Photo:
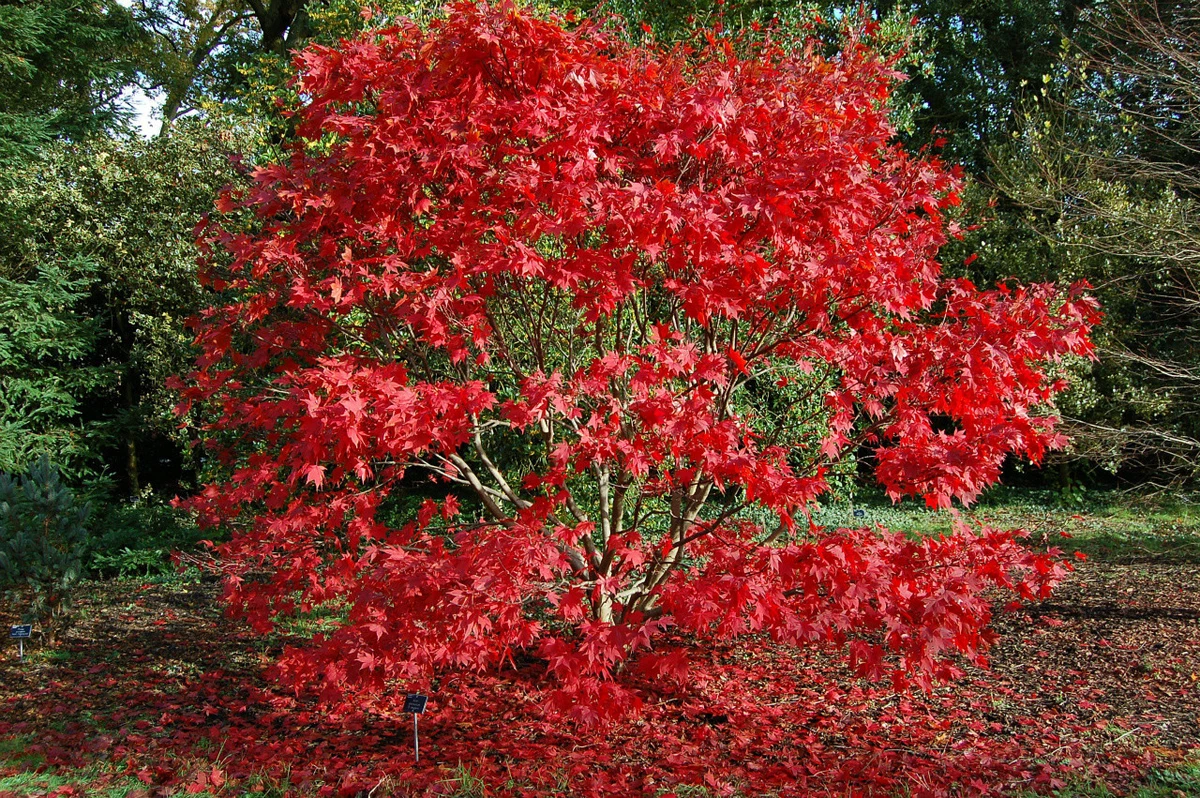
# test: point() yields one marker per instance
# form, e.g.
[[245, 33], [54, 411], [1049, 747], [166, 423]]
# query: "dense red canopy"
[[624, 307]]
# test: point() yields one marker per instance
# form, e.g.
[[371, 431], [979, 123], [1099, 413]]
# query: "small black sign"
[[415, 703], [860, 513], [24, 630]]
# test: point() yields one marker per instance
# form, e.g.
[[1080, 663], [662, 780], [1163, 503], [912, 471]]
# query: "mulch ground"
[[1101, 683]]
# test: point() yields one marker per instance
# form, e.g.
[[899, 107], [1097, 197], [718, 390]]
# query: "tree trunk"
[[283, 24], [131, 456]]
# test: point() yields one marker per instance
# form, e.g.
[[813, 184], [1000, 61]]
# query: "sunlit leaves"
[[559, 274]]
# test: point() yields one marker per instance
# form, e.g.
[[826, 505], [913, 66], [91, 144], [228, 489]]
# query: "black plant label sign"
[[23, 630], [415, 703]]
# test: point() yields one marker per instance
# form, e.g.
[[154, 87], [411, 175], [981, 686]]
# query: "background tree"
[[1107, 171], [48, 370], [101, 266], [43, 542], [980, 59], [195, 51], [64, 68], [232, 59]]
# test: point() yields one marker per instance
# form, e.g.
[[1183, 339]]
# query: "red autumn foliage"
[[600, 296]]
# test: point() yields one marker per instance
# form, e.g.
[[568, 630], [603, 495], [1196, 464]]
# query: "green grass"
[[692, 791], [1183, 780], [31, 784], [14, 752], [1111, 527], [465, 783], [324, 618]]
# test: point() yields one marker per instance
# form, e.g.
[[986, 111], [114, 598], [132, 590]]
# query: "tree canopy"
[[557, 273], [64, 66]]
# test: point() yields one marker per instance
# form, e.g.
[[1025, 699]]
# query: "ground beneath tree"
[[152, 690]]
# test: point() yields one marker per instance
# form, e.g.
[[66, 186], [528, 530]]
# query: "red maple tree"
[[614, 310]]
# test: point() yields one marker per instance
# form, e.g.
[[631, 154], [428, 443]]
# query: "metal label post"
[[415, 703], [21, 632]]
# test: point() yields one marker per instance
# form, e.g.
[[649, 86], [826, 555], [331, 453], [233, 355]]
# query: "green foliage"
[[47, 368], [98, 270], [129, 563], [194, 51], [1103, 167], [63, 65], [138, 538], [980, 58], [43, 542]]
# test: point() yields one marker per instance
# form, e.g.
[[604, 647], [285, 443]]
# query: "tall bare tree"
[[1107, 168]]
